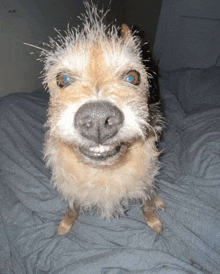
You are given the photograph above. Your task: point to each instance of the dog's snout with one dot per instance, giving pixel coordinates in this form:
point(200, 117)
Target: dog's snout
point(98, 121)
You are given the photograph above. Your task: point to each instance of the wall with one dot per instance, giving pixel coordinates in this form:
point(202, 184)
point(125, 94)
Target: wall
point(32, 21)
point(188, 34)
point(29, 21)
point(145, 15)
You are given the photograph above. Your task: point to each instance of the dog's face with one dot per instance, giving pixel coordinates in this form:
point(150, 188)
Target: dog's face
point(98, 94)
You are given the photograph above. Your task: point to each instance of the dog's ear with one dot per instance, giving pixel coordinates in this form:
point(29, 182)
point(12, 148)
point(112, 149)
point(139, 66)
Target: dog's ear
point(125, 32)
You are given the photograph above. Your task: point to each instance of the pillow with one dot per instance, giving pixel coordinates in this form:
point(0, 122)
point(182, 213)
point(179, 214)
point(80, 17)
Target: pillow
point(196, 89)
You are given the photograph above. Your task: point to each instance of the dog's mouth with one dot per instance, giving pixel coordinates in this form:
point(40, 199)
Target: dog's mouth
point(101, 153)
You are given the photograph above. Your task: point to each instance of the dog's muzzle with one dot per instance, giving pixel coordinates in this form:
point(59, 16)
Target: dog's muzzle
point(99, 121)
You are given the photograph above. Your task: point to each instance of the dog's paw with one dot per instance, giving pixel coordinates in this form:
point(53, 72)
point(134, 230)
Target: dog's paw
point(64, 227)
point(159, 203)
point(68, 220)
point(154, 222)
point(149, 210)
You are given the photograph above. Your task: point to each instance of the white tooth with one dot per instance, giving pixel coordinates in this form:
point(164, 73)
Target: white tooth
point(100, 149)
point(97, 149)
point(104, 148)
point(94, 149)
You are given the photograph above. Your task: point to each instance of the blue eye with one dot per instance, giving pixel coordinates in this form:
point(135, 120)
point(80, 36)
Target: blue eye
point(66, 78)
point(132, 77)
point(63, 80)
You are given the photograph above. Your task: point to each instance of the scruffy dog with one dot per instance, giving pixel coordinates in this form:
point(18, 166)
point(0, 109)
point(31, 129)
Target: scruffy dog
point(102, 134)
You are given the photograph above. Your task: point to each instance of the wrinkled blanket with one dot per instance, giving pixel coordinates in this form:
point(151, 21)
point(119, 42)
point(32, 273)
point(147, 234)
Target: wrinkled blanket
point(189, 182)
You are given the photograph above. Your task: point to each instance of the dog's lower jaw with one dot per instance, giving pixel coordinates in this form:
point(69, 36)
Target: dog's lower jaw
point(100, 154)
point(107, 154)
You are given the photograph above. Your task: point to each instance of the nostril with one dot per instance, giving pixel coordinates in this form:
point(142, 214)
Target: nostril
point(112, 121)
point(84, 122)
point(87, 125)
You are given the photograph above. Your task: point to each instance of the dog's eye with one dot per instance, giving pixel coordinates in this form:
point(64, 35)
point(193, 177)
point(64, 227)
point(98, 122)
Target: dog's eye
point(132, 77)
point(63, 80)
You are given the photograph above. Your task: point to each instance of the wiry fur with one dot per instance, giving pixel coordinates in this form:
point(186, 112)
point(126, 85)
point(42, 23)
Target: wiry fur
point(98, 57)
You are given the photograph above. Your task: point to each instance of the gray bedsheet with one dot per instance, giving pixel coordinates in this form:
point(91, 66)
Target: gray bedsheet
point(189, 182)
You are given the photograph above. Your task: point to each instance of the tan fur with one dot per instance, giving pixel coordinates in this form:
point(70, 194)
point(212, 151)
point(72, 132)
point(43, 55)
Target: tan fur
point(149, 210)
point(68, 220)
point(97, 61)
point(125, 32)
point(131, 178)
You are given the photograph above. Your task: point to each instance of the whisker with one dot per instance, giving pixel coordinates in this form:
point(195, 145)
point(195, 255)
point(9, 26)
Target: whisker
point(33, 46)
point(154, 131)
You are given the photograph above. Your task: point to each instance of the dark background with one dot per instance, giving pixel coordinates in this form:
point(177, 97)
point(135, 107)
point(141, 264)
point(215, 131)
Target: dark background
point(32, 21)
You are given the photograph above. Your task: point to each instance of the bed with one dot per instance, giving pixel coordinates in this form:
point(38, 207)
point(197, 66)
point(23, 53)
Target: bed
point(189, 181)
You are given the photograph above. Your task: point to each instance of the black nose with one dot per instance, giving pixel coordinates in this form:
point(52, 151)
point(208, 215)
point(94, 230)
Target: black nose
point(98, 121)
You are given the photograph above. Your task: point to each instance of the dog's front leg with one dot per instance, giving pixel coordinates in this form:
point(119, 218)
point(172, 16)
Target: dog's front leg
point(150, 214)
point(68, 220)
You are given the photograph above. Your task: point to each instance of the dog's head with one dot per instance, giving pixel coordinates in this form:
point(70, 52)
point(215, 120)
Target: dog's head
point(98, 90)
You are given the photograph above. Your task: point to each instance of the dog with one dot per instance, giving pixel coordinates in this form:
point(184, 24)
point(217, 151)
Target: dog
point(102, 134)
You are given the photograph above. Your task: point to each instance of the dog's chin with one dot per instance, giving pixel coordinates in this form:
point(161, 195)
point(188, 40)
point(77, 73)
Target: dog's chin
point(102, 155)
